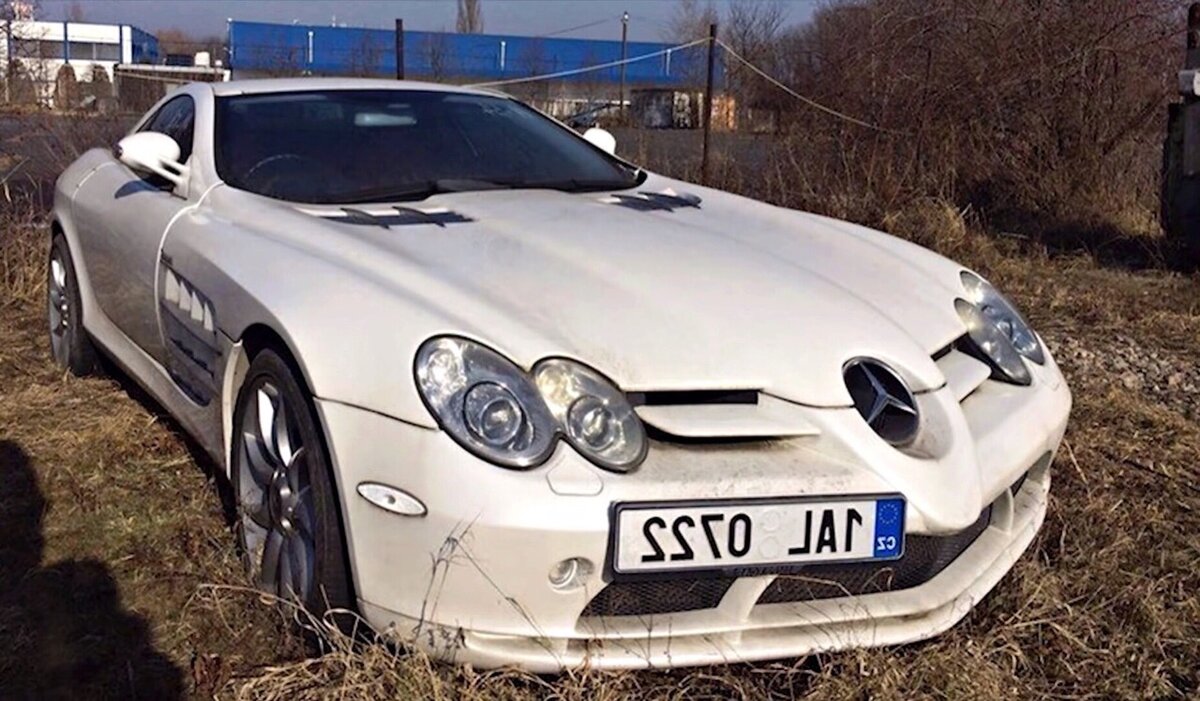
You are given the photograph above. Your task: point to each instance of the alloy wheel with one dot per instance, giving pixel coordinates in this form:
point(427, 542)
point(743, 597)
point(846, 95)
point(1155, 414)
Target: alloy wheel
point(277, 512)
point(59, 296)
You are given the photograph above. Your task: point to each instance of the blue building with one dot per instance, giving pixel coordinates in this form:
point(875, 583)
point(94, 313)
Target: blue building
point(264, 48)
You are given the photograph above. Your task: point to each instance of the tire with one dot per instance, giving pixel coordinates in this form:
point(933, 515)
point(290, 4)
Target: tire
point(289, 526)
point(70, 345)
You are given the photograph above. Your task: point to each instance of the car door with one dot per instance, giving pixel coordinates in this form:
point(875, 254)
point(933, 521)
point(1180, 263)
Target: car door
point(122, 216)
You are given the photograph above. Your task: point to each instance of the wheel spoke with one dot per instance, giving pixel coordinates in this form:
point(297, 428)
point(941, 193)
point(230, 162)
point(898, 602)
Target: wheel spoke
point(271, 561)
point(298, 565)
point(258, 513)
point(265, 404)
point(303, 513)
point(56, 319)
point(59, 272)
point(281, 434)
point(295, 471)
point(260, 462)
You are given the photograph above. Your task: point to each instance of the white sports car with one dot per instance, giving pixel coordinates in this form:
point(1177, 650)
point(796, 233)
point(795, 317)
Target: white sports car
point(517, 401)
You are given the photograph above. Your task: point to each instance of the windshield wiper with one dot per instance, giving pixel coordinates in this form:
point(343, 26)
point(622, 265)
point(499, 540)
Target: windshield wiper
point(415, 191)
point(576, 184)
point(421, 190)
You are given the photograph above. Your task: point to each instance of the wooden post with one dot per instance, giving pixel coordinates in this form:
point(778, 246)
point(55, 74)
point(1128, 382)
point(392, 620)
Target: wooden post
point(708, 102)
point(399, 49)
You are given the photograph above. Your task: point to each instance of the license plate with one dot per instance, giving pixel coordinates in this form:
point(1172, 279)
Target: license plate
point(760, 534)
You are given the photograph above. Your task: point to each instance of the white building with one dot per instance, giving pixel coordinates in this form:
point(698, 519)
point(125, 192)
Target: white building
point(35, 51)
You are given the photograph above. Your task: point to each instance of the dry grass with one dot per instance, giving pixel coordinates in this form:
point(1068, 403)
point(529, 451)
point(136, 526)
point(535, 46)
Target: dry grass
point(118, 575)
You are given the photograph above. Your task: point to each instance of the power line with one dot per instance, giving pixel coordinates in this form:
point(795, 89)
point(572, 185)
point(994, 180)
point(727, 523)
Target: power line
point(806, 100)
point(587, 69)
point(587, 25)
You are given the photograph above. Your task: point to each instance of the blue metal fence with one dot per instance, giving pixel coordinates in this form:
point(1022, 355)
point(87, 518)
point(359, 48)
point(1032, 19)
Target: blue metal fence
point(265, 47)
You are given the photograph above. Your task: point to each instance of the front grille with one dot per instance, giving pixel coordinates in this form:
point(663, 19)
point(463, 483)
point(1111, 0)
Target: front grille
point(651, 598)
point(924, 557)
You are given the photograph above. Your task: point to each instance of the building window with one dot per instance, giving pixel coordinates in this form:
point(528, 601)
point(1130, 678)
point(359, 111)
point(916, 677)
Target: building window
point(37, 48)
point(94, 51)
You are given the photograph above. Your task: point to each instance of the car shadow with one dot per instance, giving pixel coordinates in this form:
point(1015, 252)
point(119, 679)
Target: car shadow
point(63, 631)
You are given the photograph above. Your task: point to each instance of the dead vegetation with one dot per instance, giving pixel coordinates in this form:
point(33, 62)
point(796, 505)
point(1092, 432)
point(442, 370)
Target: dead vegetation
point(118, 575)
point(119, 572)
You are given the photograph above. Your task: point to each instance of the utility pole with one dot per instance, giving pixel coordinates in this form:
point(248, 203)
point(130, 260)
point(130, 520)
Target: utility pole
point(399, 49)
point(708, 101)
point(624, 37)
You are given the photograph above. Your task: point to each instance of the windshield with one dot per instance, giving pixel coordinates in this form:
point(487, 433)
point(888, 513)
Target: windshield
point(353, 146)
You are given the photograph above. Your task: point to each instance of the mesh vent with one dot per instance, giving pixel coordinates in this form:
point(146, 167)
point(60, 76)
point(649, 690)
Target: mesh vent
point(651, 598)
point(924, 557)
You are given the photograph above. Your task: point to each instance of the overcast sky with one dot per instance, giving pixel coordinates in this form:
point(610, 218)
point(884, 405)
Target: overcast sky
point(648, 18)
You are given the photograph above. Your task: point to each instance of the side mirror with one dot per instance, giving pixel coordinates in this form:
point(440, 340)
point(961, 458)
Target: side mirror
point(152, 152)
point(601, 139)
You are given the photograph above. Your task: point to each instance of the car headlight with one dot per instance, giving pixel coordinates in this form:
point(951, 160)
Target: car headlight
point(485, 402)
point(595, 416)
point(1001, 313)
point(997, 348)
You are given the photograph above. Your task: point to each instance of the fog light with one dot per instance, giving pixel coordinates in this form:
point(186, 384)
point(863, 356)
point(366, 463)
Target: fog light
point(570, 573)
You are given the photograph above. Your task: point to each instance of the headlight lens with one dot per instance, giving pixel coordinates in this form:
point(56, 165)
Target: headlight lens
point(485, 402)
point(1004, 316)
point(993, 343)
point(596, 417)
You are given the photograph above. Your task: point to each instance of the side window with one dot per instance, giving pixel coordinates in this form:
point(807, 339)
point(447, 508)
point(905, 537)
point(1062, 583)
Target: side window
point(176, 119)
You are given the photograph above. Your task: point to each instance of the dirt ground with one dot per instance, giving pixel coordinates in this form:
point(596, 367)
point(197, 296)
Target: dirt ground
point(118, 576)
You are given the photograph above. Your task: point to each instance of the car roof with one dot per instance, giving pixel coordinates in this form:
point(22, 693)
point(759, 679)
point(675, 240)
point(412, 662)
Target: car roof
point(277, 85)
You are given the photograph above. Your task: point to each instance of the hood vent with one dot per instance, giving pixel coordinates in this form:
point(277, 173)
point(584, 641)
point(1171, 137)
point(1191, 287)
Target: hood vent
point(654, 201)
point(705, 415)
point(391, 216)
point(693, 397)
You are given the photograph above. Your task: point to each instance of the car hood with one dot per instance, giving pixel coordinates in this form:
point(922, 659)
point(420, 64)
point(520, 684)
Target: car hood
point(697, 289)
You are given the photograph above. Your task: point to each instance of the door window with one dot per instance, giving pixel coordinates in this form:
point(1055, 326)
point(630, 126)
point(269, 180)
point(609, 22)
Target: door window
point(177, 120)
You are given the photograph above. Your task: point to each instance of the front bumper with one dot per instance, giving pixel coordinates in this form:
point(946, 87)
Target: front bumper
point(469, 580)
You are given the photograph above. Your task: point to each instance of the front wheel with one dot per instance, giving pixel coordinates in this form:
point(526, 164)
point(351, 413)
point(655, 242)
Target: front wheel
point(288, 526)
point(69, 343)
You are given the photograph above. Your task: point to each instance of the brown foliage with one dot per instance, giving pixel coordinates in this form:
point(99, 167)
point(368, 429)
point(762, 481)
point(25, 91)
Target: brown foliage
point(1037, 114)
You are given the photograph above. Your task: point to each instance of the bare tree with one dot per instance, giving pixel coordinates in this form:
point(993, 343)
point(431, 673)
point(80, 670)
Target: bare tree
point(27, 78)
point(75, 13)
point(66, 89)
point(366, 58)
point(470, 17)
point(19, 10)
point(753, 29)
point(690, 20)
point(435, 47)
